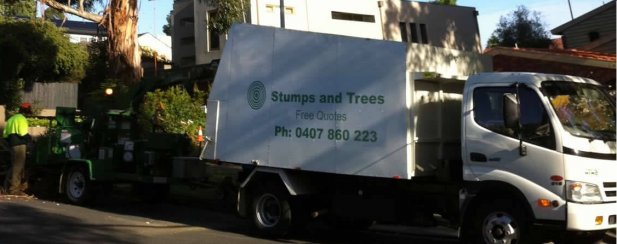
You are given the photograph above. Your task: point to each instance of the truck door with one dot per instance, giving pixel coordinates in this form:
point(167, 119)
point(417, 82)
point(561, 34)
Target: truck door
point(492, 149)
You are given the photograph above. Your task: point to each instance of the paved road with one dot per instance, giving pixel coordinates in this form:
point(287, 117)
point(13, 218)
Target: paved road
point(121, 219)
point(130, 221)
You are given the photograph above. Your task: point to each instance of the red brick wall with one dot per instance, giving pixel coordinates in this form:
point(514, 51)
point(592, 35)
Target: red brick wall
point(508, 63)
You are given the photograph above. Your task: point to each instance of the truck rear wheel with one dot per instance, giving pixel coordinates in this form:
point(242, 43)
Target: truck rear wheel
point(272, 212)
point(500, 221)
point(77, 185)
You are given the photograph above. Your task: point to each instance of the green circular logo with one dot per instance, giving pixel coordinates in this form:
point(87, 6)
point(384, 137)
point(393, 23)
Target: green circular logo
point(256, 95)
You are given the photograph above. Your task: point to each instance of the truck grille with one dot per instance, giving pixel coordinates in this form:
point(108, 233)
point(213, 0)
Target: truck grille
point(610, 190)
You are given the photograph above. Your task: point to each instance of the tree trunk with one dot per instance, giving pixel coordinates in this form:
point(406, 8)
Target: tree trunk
point(124, 53)
point(120, 19)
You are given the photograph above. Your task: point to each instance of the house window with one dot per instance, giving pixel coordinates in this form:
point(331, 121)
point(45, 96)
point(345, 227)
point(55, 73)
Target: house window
point(414, 32)
point(213, 37)
point(423, 33)
point(403, 28)
point(353, 17)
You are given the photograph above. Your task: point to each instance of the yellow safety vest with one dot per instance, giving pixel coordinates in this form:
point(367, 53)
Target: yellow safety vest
point(17, 124)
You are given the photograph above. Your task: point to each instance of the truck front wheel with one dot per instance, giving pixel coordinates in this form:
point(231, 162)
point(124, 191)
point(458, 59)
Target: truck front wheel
point(272, 212)
point(500, 222)
point(77, 185)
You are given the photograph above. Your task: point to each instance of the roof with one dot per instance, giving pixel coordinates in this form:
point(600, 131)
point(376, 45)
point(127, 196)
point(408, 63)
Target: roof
point(573, 56)
point(81, 27)
point(558, 30)
point(162, 45)
point(524, 77)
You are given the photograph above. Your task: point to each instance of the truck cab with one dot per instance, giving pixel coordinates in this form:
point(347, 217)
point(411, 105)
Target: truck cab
point(545, 140)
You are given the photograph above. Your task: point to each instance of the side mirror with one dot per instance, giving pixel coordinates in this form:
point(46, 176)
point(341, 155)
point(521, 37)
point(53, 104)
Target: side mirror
point(511, 113)
point(511, 117)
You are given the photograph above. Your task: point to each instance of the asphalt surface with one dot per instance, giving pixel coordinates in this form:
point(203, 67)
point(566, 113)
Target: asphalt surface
point(122, 219)
point(126, 220)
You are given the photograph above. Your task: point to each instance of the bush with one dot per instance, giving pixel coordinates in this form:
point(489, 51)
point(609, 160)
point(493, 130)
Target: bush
point(179, 112)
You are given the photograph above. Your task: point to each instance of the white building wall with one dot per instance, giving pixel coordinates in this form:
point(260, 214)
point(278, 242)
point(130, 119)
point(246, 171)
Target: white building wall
point(452, 27)
point(316, 16)
point(322, 21)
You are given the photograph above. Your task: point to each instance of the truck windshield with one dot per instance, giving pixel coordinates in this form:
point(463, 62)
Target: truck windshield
point(584, 110)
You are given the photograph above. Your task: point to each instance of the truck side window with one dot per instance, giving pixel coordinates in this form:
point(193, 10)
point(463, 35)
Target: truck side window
point(535, 125)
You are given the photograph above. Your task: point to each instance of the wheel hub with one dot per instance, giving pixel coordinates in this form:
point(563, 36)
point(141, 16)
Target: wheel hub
point(500, 227)
point(76, 184)
point(268, 210)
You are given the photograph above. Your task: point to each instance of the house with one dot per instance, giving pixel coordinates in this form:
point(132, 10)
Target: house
point(594, 65)
point(586, 49)
point(421, 23)
point(593, 31)
point(156, 53)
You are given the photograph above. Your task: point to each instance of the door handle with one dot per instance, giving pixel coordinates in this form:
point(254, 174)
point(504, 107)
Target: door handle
point(477, 157)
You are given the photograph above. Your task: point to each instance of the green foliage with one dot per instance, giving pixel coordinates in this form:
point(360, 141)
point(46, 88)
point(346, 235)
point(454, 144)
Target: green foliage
point(227, 13)
point(147, 52)
point(52, 13)
point(96, 71)
point(17, 8)
point(97, 102)
point(36, 122)
point(10, 90)
point(38, 51)
point(87, 4)
point(446, 2)
point(178, 111)
point(522, 28)
point(167, 27)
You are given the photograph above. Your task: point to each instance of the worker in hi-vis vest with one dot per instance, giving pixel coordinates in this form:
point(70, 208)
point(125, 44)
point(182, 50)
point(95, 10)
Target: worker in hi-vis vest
point(16, 134)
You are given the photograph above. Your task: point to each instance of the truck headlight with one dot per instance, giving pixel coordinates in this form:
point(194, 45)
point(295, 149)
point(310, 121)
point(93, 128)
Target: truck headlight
point(583, 192)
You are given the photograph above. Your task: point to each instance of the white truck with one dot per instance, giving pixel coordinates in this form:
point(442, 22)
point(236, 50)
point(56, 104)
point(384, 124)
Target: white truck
point(367, 130)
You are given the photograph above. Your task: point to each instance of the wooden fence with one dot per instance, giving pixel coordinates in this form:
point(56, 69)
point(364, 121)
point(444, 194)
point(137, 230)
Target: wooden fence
point(52, 95)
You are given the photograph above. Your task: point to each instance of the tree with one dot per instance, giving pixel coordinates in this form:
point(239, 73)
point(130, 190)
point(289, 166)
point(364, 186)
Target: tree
point(36, 51)
point(167, 28)
point(53, 14)
point(17, 8)
point(520, 28)
point(120, 20)
point(178, 111)
point(446, 2)
point(227, 13)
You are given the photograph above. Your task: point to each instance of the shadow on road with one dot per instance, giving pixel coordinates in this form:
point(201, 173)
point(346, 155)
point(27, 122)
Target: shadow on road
point(219, 215)
point(52, 228)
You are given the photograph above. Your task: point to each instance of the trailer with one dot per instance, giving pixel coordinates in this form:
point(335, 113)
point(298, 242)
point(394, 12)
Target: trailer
point(82, 155)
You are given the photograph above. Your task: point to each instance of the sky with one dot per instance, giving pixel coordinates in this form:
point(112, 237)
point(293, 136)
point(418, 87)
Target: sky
point(152, 13)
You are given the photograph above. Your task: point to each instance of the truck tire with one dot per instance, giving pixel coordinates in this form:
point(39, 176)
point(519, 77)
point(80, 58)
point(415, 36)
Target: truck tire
point(501, 221)
point(77, 185)
point(272, 213)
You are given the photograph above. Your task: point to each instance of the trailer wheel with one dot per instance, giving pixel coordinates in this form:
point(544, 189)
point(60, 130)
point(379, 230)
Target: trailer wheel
point(272, 212)
point(501, 221)
point(77, 185)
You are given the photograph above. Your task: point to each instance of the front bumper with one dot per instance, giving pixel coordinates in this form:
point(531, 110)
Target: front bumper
point(582, 217)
